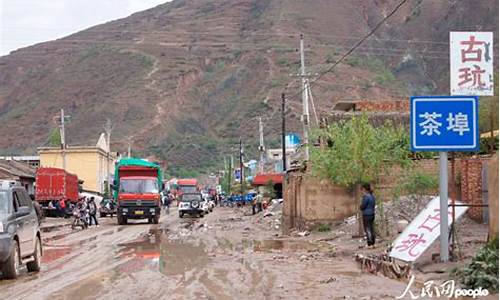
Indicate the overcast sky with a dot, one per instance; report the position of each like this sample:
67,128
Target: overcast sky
27,22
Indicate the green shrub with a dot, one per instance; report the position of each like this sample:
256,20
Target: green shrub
353,61
482,272
323,227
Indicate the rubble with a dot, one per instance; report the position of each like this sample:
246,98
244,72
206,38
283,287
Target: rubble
329,280
384,265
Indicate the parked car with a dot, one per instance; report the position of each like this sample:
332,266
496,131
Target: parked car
20,239
191,204
107,207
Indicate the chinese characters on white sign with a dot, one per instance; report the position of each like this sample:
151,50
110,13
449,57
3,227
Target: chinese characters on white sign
422,231
471,63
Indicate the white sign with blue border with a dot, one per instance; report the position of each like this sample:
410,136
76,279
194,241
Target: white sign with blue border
444,123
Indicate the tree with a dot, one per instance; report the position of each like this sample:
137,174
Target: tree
270,192
55,138
488,110
359,153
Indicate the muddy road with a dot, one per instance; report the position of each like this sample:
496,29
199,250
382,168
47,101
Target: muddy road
225,255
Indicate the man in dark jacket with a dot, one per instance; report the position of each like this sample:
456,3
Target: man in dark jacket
367,208
92,212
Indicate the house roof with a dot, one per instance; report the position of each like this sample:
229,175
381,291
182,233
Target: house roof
16,169
263,179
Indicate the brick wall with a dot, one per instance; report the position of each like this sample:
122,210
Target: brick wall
383,106
471,185
493,195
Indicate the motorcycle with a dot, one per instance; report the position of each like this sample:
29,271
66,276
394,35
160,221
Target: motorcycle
81,218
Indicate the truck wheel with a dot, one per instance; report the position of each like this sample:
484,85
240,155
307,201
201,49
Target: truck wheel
10,269
102,215
150,220
156,219
34,266
181,214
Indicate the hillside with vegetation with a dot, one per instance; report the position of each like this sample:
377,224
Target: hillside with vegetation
184,80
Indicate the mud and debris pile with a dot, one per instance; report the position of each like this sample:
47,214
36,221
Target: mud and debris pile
383,264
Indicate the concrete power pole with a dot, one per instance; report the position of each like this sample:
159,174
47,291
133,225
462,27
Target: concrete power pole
241,167
63,140
108,128
129,146
262,148
305,100
283,132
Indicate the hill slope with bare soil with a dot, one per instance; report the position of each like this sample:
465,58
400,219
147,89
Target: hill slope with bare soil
187,78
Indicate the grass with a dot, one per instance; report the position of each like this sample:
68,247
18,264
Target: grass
323,227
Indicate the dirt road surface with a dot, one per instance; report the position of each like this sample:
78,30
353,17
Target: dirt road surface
225,255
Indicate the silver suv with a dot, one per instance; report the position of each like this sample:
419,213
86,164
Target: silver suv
20,240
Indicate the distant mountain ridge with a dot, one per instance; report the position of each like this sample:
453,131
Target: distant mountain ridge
185,79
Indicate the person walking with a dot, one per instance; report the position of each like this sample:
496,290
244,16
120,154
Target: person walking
62,208
38,209
168,200
258,199
367,208
92,212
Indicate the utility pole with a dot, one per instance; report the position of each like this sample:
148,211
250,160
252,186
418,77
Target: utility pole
241,168
305,100
283,130
63,140
261,146
108,128
129,144
230,177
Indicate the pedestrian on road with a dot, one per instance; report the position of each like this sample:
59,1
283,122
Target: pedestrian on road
38,209
259,199
168,200
62,208
92,212
367,208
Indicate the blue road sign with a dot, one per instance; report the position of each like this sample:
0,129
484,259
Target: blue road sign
444,123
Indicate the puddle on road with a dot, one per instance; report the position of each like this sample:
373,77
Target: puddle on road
157,252
53,253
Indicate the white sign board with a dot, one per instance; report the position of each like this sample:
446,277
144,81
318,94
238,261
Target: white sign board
471,63
422,231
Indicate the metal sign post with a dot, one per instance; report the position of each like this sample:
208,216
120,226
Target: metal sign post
444,123
443,206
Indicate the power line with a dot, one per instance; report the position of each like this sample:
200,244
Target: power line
356,45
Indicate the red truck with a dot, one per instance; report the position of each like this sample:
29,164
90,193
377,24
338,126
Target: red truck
137,188
55,184
187,186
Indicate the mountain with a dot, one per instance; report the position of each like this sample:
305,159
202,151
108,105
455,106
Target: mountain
186,79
